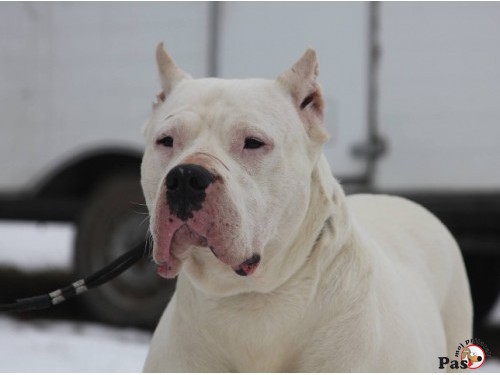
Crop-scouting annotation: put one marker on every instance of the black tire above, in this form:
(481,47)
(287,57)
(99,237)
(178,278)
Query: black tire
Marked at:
(114,221)
(484,283)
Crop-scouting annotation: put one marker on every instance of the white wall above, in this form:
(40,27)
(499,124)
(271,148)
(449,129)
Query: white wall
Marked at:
(264,39)
(440,95)
(82,75)
(75,76)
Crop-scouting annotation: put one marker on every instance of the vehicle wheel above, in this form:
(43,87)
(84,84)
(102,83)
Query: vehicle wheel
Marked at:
(114,221)
(482,270)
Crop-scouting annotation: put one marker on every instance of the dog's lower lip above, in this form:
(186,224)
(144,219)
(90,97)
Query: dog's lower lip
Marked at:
(162,269)
(213,251)
(248,266)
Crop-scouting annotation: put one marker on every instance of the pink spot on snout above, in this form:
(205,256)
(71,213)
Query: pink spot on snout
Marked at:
(249,266)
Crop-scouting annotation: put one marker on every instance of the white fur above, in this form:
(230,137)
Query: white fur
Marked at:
(364,283)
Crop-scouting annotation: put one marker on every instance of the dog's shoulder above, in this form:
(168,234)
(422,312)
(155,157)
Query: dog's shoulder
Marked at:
(398,218)
(390,207)
(408,235)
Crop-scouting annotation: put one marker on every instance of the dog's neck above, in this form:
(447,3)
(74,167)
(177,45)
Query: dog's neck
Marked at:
(326,224)
(324,229)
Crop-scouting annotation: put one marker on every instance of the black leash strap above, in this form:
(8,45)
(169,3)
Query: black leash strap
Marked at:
(109,272)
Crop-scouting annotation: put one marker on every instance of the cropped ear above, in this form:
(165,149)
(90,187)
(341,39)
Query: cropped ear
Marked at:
(301,82)
(170,74)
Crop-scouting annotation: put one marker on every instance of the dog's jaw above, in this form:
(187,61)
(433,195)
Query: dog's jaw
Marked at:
(183,239)
(213,228)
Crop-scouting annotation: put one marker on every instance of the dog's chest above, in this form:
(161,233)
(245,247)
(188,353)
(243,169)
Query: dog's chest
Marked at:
(259,334)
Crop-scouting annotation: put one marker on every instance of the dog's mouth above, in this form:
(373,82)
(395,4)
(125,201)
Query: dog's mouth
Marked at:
(184,240)
(248,266)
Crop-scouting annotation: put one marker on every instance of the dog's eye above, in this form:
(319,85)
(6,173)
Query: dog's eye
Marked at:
(253,143)
(167,141)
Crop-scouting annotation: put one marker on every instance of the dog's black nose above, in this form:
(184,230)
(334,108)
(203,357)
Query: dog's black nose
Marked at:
(188,178)
(479,358)
(186,185)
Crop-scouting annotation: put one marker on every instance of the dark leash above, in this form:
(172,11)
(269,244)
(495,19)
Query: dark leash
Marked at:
(112,270)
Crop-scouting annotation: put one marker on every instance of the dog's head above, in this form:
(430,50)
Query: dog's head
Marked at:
(227,168)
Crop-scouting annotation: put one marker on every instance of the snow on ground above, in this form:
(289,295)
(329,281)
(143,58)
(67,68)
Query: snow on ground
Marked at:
(43,346)
(491,366)
(33,246)
(60,346)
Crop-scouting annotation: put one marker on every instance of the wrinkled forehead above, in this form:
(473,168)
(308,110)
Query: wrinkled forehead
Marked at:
(221,103)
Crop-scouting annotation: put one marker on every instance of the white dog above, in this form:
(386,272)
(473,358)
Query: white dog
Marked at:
(278,270)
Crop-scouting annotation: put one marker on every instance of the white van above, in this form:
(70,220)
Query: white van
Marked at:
(412,94)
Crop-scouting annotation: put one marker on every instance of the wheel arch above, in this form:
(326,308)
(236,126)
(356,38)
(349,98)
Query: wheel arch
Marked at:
(78,176)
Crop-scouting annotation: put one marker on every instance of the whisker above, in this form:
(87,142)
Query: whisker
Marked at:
(149,245)
(144,220)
